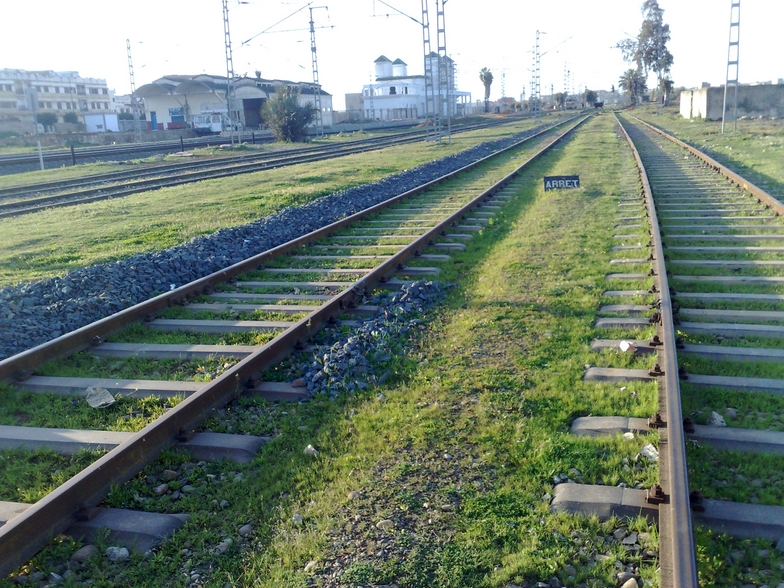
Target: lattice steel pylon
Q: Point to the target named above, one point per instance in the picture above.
(229, 69)
(134, 107)
(733, 54)
(430, 96)
(537, 80)
(444, 74)
(316, 85)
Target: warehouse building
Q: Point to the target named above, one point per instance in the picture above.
(179, 101)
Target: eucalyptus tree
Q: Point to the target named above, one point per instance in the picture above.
(648, 51)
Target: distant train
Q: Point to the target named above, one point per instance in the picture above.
(209, 123)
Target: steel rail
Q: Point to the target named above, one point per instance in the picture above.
(678, 556)
(26, 534)
(185, 174)
(739, 180)
(174, 167)
(33, 205)
(25, 362)
(91, 153)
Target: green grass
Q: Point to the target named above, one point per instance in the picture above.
(494, 383)
(55, 241)
(67, 412)
(28, 476)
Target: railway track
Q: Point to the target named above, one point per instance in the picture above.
(30, 199)
(710, 243)
(290, 293)
(10, 164)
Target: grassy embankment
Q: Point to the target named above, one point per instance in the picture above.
(55, 241)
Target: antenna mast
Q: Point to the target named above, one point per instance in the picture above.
(229, 68)
(733, 53)
(134, 108)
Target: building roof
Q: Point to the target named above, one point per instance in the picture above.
(382, 59)
(206, 84)
(399, 61)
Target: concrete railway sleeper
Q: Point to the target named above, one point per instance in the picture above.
(319, 281)
(717, 272)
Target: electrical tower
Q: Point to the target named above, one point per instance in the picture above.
(229, 68)
(430, 94)
(444, 72)
(733, 53)
(134, 107)
(316, 85)
(537, 90)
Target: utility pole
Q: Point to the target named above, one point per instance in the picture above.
(445, 72)
(33, 94)
(316, 85)
(431, 132)
(229, 69)
(537, 78)
(733, 54)
(134, 108)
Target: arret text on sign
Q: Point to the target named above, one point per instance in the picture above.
(561, 182)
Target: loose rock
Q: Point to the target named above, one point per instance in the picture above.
(117, 553)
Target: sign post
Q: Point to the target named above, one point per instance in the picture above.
(561, 182)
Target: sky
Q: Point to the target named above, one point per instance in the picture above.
(186, 37)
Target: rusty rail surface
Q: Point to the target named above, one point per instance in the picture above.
(739, 180)
(26, 534)
(677, 553)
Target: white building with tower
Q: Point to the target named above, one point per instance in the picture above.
(394, 94)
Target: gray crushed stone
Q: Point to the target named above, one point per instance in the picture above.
(34, 313)
(346, 367)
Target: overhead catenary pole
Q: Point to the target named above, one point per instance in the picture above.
(134, 107)
(537, 77)
(445, 73)
(316, 85)
(229, 69)
(33, 94)
(431, 131)
(733, 54)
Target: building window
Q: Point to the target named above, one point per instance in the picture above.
(7, 104)
(45, 89)
(104, 91)
(392, 90)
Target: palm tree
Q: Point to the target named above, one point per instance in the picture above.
(666, 86)
(486, 77)
(633, 82)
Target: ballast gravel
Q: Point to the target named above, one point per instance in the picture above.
(36, 312)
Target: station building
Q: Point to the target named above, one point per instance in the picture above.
(764, 100)
(396, 95)
(176, 101)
